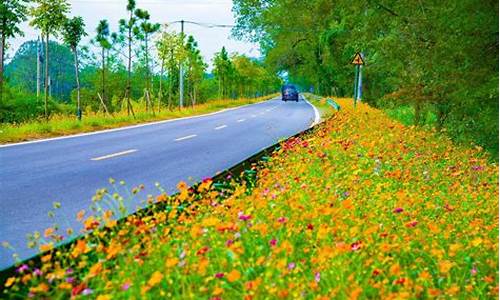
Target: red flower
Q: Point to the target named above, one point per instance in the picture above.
(219, 275)
(202, 251)
(401, 280)
(273, 242)
(398, 210)
(411, 224)
(310, 226)
(77, 290)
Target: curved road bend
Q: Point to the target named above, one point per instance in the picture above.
(70, 170)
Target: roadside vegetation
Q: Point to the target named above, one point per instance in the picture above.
(438, 58)
(362, 207)
(135, 71)
(63, 124)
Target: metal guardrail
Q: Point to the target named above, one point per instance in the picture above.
(333, 104)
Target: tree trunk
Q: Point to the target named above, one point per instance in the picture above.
(147, 71)
(103, 76)
(128, 89)
(2, 57)
(160, 95)
(79, 109)
(46, 87)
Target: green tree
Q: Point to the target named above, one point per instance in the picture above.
(223, 70)
(127, 28)
(171, 52)
(74, 30)
(195, 68)
(102, 38)
(12, 13)
(48, 16)
(144, 32)
(434, 56)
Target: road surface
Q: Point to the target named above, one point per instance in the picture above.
(69, 170)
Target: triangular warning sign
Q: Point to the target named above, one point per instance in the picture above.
(358, 60)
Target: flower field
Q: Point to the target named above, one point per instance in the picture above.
(362, 207)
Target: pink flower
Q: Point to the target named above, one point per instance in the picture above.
(282, 219)
(244, 217)
(125, 286)
(356, 246)
(229, 242)
(22, 268)
(291, 266)
(398, 210)
(473, 271)
(317, 277)
(273, 242)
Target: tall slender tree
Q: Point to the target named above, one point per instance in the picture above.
(145, 30)
(127, 28)
(74, 30)
(195, 67)
(170, 51)
(102, 38)
(12, 13)
(49, 16)
(222, 70)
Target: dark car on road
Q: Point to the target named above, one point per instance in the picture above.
(289, 93)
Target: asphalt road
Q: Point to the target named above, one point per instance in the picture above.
(70, 169)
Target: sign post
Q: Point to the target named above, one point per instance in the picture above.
(357, 62)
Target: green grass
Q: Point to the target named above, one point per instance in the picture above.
(406, 115)
(60, 125)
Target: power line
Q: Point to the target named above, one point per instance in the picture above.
(206, 25)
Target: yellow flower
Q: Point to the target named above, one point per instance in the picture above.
(445, 266)
(113, 249)
(103, 297)
(10, 281)
(95, 269)
(155, 278)
(171, 262)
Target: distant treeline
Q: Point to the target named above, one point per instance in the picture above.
(439, 57)
(140, 63)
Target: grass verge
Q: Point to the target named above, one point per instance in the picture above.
(61, 125)
(363, 207)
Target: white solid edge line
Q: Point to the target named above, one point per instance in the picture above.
(186, 137)
(220, 127)
(241, 120)
(316, 112)
(114, 154)
(128, 127)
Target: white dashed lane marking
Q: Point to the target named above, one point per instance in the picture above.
(185, 137)
(220, 127)
(114, 155)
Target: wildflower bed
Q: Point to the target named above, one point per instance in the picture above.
(362, 207)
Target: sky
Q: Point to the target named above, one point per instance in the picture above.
(210, 40)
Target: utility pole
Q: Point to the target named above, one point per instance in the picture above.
(181, 72)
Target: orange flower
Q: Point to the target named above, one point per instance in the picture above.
(80, 248)
(233, 276)
(155, 279)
